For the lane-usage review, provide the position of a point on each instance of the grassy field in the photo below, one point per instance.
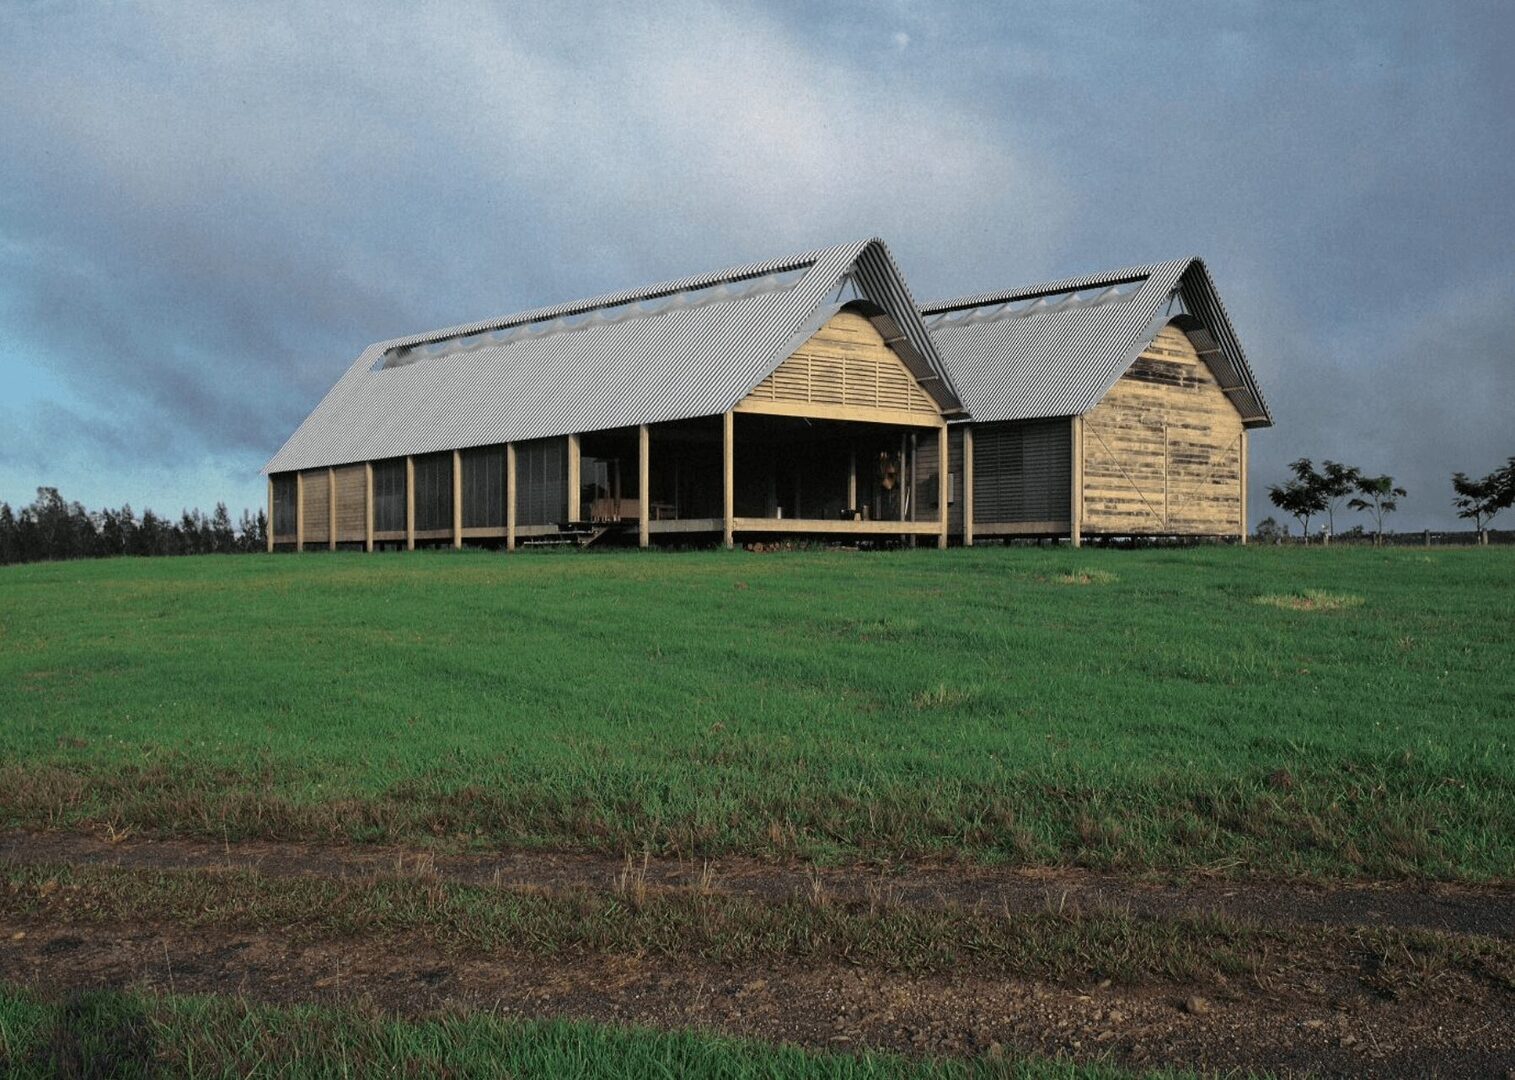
(126, 1036)
(1331, 712)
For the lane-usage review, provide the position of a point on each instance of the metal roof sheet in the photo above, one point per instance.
(1044, 351)
(611, 370)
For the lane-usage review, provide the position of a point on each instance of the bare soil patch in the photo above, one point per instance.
(1446, 908)
(1327, 1029)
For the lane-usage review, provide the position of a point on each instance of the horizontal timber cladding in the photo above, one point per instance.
(434, 492)
(284, 506)
(352, 503)
(1022, 471)
(846, 363)
(317, 506)
(1162, 451)
(542, 481)
(484, 487)
(389, 495)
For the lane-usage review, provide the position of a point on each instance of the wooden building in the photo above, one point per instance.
(806, 396)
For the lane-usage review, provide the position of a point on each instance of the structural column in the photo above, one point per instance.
(644, 499)
(367, 506)
(457, 498)
(270, 529)
(574, 494)
(510, 496)
(943, 480)
(1241, 470)
(728, 478)
(852, 481)
(410, 503)
(1076, 494)
(967, 495)
(331, 508)
(299, 511)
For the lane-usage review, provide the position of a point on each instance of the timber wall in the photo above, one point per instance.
(846, 363)
(1162, 452)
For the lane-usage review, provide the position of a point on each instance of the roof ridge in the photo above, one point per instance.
(804, 260)
(1108, 278)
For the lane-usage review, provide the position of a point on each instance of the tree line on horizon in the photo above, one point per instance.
(52, 528)
(1313, 493)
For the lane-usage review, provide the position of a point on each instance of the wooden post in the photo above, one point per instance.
(331, 508)
(943, 479)
(728, 478)
(1242, 471)
(457, 499)
(644, 498)
(574, 507)
(1076, 495)
(510, 496)
(852, 482)
(410, 503)
(967, 495)
(270, 529)
(367, 506)
(299, 511)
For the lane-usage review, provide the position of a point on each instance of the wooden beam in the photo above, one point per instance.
(410, 503)
(509, 496)
(728, 477)
(299, 511)
(833, 527)
(1076, 491)
(575, 509)
(367, 506)
(270, 529)
(943, 482)
(331, 508)
(1241, 471)
(457, 498)
(817, 411)
(967, 495)
(644, 497)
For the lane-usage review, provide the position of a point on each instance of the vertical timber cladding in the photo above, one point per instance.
(928, 477)
(847, 363)
(484, 487)
(352, 503)
(1023, 474)
(389, 498)
(283, 523)
(434, 493)
(1162, 451)
(542, 481)
(317, 506)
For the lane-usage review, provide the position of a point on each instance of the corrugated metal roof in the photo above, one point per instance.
(597, 364)
(1056, 349)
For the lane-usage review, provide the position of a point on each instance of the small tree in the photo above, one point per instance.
(1269, 531)
(1377, 495)
(1299, 499)
(1484, 498)
(1336, 481)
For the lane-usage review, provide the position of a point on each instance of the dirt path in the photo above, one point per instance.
(1322, 1030)
(1322, 1012)
(1412, 906)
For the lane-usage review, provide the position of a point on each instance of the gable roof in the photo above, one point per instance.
(1056, 349)
(685, 348)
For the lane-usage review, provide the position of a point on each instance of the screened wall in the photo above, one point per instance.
(389, 495)
(284, 505)
(542, 482)
(484, 487)
(1022, 472)
(433, 474)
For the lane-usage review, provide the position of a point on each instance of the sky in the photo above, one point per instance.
(206, 212)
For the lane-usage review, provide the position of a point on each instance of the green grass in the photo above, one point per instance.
(1150, 709)
(127, 1036)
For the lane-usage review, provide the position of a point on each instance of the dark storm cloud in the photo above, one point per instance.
(205, 213)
